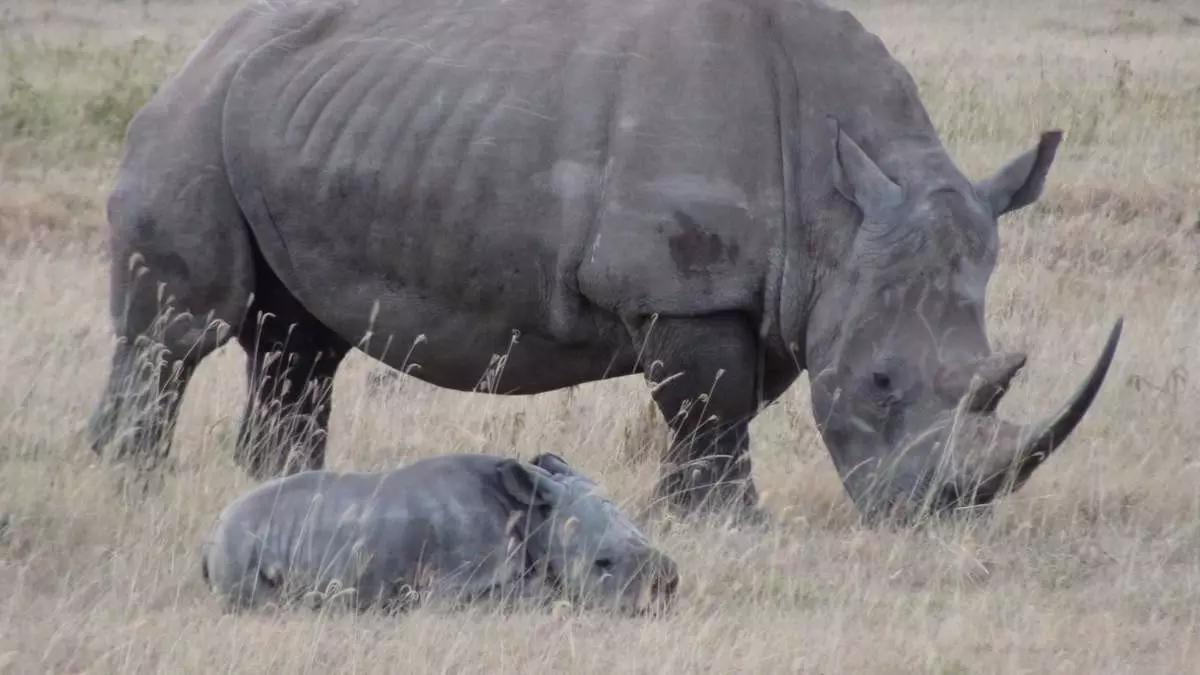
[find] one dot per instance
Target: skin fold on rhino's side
(715, 194)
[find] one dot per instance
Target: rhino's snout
(969, 456)
(658, 587)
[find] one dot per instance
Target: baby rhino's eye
(604, 563)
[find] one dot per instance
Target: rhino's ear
(527, 484)
(858, 178)
(552, 463)
(1019, 183)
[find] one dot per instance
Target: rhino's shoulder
(846, 70)
(259, 23)
(470, 470)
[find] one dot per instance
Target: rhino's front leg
(139, 406)
(703, 372)
(165, 331)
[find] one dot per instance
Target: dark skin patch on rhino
(694, 251)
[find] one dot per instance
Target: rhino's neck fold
(784, 311)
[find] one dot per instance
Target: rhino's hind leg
(290, 366)
(704, 386)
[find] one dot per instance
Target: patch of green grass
(79, 97)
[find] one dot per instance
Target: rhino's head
(905, 385)
(589, 547)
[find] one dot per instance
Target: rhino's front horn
(1050, 434)
(983, 382)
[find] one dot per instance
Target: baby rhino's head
(588, 545)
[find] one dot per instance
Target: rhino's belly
(456, 346)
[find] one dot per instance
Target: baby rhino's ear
(552, 463)
(528, 484)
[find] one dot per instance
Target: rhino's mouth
(974, 457)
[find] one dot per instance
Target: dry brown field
(1094, 567)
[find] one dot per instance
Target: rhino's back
(412, 154)
(448, 159)
(185, 113)
(370, 529)
(480, 166)
(381, 133)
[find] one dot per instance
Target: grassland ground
(1093, 568)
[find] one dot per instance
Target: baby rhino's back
(434, 526)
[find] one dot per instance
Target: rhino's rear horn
(982, 382)
(992, 380)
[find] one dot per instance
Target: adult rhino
(459, 527)
(719, 194)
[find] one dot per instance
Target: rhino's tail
(261, 579)
(270, 572)
(246, 579)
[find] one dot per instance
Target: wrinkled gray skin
(453, 528)
(719, 194)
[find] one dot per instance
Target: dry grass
(1094, 567)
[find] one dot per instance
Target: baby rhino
(459, 527)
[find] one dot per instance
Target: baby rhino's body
(455, 527)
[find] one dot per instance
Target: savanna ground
(1094, 567)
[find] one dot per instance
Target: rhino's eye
(604, 563)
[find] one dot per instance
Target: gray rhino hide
(720, 194)
(446, 530)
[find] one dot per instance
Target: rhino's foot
(267, 455)
(703, 369)
(694, 494)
